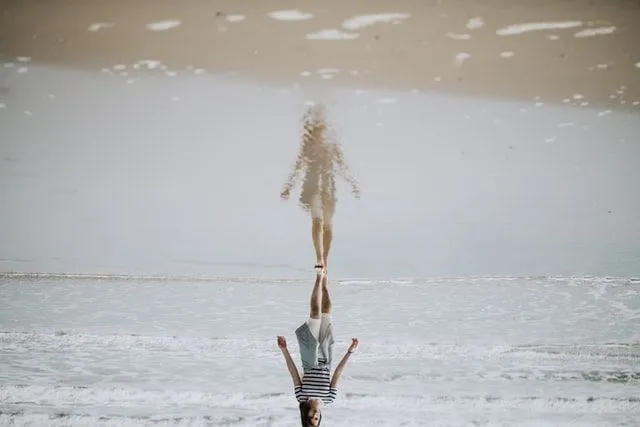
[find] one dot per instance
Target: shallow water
(182, 175)
(530, 351)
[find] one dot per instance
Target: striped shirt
(316, 384)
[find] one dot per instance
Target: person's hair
(304, 411)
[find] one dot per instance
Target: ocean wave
(62, 339)
(22, 398)
(343, 281)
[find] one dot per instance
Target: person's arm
(293, 370)
(292, 178)
(343, 171)
(338, 372)
(297, 167)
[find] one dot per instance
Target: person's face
(314, 412)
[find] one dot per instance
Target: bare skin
(326, 299)
(317, 228)
(317, 297)
(322, 236)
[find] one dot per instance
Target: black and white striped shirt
(316, 384)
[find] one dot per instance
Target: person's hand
(285, 194)
(354, 345)
(282, 343)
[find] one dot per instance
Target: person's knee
(327, 217)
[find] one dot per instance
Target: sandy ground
(462, 47)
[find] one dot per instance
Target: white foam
(553, 37)
(235, 18)
(331, 34)
(578, 96)
(119, 67)
(602, 66)
(591, 32)
(171, 73)
(549, 140)
(327, 71)
(362, 21)
(475, 23)
(305, 73)
(22, 70)
(604, 113)
(637, 64)
(23, 58)
(355, 282)
(327, 76)
(536, 26)
(508, 54)
(354, 72)
(163, 25)
(461, 57)
(97, 26)
(27, 113)
(459, 36)
(387, 101)
(290, 15)
(3, 105)
(149, 63)
(9, 65)
(565, 124)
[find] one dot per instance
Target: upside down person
(317, 387)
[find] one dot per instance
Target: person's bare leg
(316, 297)
(326, 299)
(317, 236)
(327, 237)
(328, 209)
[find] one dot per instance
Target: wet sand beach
(574, 52)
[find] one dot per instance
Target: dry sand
(460, 47)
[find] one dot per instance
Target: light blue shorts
(315, 339)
